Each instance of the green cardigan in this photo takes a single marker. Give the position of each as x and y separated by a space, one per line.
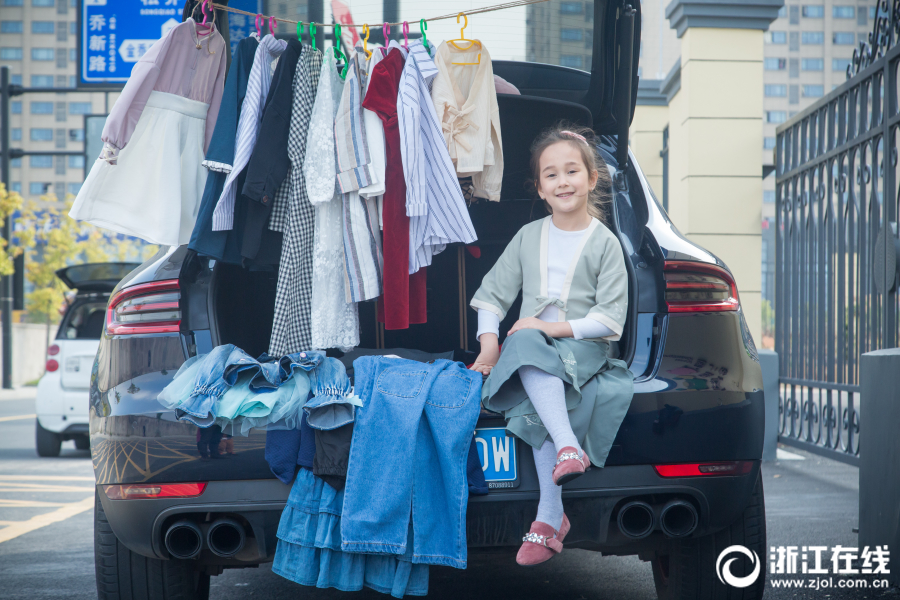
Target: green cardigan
596 284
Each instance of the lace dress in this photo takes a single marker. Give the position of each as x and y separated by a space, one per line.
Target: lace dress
335 322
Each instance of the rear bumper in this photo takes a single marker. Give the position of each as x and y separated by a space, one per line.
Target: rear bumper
497 520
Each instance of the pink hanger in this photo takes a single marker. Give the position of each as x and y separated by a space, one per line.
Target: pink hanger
405 32
273 24
204 28
258 28
386 29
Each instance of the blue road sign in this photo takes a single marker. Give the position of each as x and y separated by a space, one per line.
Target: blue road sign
116 33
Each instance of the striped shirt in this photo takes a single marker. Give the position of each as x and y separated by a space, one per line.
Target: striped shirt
248 127
351 152
434 200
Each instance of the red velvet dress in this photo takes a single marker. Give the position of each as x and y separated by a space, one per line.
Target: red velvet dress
403 301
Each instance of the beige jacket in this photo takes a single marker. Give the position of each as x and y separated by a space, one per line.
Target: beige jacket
465 101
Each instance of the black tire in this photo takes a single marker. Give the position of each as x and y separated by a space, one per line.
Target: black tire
47 442
82 442
686 569
124 575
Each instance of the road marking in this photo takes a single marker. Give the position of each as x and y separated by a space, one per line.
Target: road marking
36 487
17 418
785 455
43 478
58 515
4 503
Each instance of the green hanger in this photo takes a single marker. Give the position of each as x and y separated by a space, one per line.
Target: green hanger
422 27
300 31
338 53
312 33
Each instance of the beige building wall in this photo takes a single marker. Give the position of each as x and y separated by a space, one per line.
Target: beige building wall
645 138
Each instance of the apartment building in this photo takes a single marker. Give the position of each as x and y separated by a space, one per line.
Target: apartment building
39 43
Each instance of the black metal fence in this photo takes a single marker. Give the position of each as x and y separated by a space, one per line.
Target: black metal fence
836 267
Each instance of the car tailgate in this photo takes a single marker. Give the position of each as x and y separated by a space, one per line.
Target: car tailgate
76 358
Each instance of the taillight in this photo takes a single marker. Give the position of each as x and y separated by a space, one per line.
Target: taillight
734 467
154 490
51 365
53 350
699 287
145 308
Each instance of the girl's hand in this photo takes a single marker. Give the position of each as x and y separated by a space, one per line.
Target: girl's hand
528 323
489 355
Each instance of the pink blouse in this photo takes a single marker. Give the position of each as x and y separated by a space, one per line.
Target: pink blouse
180 63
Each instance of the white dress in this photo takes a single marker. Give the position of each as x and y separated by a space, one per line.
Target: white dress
335 322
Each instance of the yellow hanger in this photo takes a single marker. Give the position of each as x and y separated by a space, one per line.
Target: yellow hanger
365 31
462 38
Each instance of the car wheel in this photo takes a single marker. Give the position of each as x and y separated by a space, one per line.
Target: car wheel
122 574
48 443
82 442
685 569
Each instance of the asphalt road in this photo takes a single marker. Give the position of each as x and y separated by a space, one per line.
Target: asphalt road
46 535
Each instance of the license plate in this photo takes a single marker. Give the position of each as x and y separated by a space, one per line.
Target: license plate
497 452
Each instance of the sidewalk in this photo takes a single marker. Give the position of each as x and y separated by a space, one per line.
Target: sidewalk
18 393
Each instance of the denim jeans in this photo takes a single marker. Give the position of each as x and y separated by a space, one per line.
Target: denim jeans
408 459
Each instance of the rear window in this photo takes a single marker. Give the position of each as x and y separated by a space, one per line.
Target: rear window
83 321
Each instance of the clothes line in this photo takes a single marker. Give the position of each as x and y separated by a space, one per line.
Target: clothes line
485 9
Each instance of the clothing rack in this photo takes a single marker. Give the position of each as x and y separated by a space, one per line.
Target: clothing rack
485 9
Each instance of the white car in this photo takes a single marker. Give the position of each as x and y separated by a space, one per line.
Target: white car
62 394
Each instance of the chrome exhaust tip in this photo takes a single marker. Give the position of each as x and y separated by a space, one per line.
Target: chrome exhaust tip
225 537
635 519
184 539
678 518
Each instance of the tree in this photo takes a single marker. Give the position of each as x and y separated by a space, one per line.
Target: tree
10 202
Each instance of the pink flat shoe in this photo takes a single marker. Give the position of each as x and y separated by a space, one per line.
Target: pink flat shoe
569 465
541 543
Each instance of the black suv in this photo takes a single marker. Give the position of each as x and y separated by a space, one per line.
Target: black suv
682 481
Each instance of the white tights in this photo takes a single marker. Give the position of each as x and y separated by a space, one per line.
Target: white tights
547 394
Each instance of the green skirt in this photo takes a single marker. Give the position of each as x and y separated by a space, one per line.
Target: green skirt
598 389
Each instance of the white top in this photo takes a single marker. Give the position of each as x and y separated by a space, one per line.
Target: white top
465 100
562 248
374 134
258 84
434 201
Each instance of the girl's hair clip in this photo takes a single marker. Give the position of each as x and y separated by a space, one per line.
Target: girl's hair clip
574 135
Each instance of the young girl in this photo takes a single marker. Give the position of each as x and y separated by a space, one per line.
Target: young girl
553 381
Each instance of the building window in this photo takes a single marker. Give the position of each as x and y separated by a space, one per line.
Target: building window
40 134
42 81
843 12
813 91
15 79
571 35
776 37
776 90
843 38
71 81
37 189
42 108
571 8
873 10
775 64
15 163
74 188
861 15
812 64
16 134
840 64
16 186
12 2
61 59
43 27
11 27
60 138
60 170
73 28
769 196
40 162
73 54
795 15
76 162
813 37
814 11
15 107
775 116
44 3
80 108
795 41
11 53
62 31
42 54
768 143
794 94
76 135
794 70
571 60
60 112
782 12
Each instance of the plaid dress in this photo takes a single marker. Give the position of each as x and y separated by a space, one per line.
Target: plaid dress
294 216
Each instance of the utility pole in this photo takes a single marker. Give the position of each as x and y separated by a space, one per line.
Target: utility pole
6 300
391 14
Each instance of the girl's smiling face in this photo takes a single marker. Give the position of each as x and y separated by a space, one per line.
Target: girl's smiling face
564 180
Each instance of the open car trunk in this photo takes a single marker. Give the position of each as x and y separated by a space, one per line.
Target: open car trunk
243 300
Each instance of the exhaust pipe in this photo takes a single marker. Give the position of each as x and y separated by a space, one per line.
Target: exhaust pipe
225 537
184 540
636 519
678 518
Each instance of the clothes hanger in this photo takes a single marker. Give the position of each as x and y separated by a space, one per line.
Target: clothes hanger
258 29
273 24
386 29
204 28
405 34
462 38
300 31
338 53
422 27
312 34
365 31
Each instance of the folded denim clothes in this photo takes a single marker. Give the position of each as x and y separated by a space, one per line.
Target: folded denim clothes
413 432
309 547
333 403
